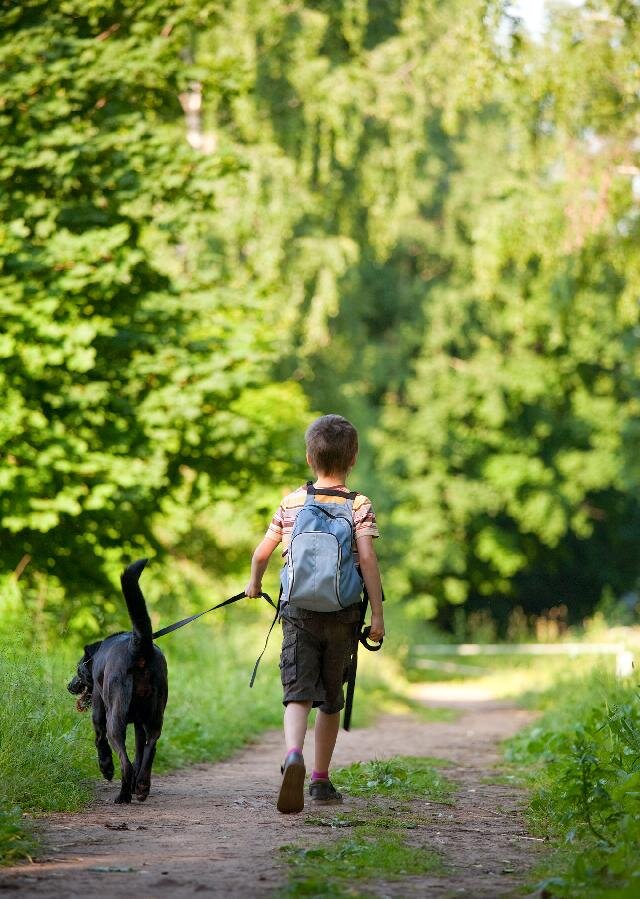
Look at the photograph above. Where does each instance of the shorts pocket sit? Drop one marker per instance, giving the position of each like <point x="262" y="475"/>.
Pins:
<point x="289" y="659"/>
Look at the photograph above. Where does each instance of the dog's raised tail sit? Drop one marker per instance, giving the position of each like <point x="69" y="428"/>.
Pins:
<point x="136" y="605"/>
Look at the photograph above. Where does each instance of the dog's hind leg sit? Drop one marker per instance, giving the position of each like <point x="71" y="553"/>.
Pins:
<point x="117" y="733"/>
<point x="143" y="780"/>
<point x="141" y="739"/>
<point x="99" y="718"/>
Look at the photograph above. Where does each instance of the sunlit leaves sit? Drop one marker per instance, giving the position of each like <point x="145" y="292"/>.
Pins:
<point x="513" y="449"/>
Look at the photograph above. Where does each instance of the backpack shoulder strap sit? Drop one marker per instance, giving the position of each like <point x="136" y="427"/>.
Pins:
<point x="327" y="491"/>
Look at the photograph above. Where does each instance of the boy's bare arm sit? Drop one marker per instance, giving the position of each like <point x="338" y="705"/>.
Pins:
<point x="371" y="575"/>
<point x="259" y="562"/>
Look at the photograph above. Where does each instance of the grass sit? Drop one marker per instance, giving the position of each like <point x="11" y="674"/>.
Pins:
<point x="373" y="814"/>
<point x="16" y="838"/>
<point x="581" y="762"/>
<point x="529" y="680"/>
<point x="376" y="845"/>
<point x="44" y="762"/>
<point x="404" y="779"/>
<point x="359" y="857"/>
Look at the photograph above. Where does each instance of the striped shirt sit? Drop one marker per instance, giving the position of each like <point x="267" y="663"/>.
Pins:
<point x="364" y="519"/>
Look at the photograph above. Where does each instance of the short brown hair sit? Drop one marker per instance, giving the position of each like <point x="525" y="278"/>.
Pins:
<point x="332" y="444"/>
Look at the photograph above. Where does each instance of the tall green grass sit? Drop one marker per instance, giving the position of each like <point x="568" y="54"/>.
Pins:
<point x="582" y="762"/>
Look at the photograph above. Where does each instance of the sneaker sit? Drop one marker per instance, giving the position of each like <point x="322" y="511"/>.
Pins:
<point x="323" y="792"/>
<point x="291" y="795"/>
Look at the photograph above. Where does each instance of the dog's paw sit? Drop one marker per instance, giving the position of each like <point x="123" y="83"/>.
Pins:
<point x="107" y="772"/>
<point x="123" y="799"/>
<point x="142" y="791"/>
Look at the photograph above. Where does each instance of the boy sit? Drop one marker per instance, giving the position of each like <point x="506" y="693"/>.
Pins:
<point x="317" y="645"/>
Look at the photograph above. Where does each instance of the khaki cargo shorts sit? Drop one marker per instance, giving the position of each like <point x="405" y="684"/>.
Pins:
<point x="316" y="652"/>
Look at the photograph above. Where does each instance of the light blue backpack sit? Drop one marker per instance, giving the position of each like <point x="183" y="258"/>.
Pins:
<point x="320" y="573"/>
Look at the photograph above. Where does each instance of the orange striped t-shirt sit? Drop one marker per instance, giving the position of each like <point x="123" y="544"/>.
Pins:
<point x="364" y="518"/>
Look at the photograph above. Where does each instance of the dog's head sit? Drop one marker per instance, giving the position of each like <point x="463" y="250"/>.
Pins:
<point x="82" y="684"/>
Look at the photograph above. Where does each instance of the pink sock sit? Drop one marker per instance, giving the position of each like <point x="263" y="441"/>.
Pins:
<point x="320" y="775"/>
<point x="294" y="749"/>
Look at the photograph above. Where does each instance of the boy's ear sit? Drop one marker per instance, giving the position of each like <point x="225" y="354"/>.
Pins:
<point x="309" y="462"/>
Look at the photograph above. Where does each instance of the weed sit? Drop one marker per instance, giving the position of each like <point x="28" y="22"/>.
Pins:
<point x="380" y="818"/>
<point x="364" y="854"/>
<point x="318" y="886"/>
<point x="403" y="778"/>
<point x="583" y="762"/>
<point x="16" y="841"/>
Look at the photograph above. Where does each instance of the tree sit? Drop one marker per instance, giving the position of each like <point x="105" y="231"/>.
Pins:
<point x="129" y="374"/>
<point x="342" y="113"/>
<point x="510" y="447"/>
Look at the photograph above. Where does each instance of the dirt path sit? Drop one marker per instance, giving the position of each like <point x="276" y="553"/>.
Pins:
<point x="213" y="829"/>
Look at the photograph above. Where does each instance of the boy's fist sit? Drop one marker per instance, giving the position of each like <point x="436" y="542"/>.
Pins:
<point x="377" y="628"/>
<point x="253" y="589"/>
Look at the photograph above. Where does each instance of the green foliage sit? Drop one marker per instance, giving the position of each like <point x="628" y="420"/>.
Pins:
<point x="45" y="756"/>
<point x="363" y="856"/>
<point x="15" y="840"/>
<point x="220" y="215"/>
<point x="131" y="376"/>
<point x="339" y="112"/>
<point x="583" y="761"/>
<point x="511" y="448"/>
<point x="404" y="778"/>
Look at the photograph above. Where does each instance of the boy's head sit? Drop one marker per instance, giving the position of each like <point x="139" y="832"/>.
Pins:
<point x="332" y="445"/>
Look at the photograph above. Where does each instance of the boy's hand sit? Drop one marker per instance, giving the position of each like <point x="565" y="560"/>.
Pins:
<point x="377" y="627"/>
<point x="259" y="562"/>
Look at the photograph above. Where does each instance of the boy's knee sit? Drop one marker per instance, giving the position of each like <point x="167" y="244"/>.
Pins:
<point x="333" y="704"/>
<point x="302" y="704"/>
<point x="329" y="714"/>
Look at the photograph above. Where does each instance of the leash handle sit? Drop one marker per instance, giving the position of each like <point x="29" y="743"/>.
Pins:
<point x="364" y="639"/>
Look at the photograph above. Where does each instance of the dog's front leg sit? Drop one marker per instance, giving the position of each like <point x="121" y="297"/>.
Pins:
<point x="117" y="733"/>
<point x="99" y="718"/>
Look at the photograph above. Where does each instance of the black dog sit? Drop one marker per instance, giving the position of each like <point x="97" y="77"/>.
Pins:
<point x="124" y="677"/>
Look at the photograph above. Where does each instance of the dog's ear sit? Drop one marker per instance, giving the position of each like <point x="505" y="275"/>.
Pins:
<point x="91" y="649"/>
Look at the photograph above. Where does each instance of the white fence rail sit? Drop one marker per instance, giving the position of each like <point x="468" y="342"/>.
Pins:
<point x="624" y="658"/>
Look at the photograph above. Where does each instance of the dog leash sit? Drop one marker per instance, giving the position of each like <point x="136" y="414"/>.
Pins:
<point x="363" y="634"/>
<point x="363" y="638"/>
<point x="227" y="602"/>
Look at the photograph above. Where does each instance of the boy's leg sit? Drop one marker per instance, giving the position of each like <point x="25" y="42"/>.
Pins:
<point x="291" y="795"/>
<point x="340" y="635"/>
<point x="321" y="789"/>
<point x="326" y="734"/>
<point x="296" y="715"/>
